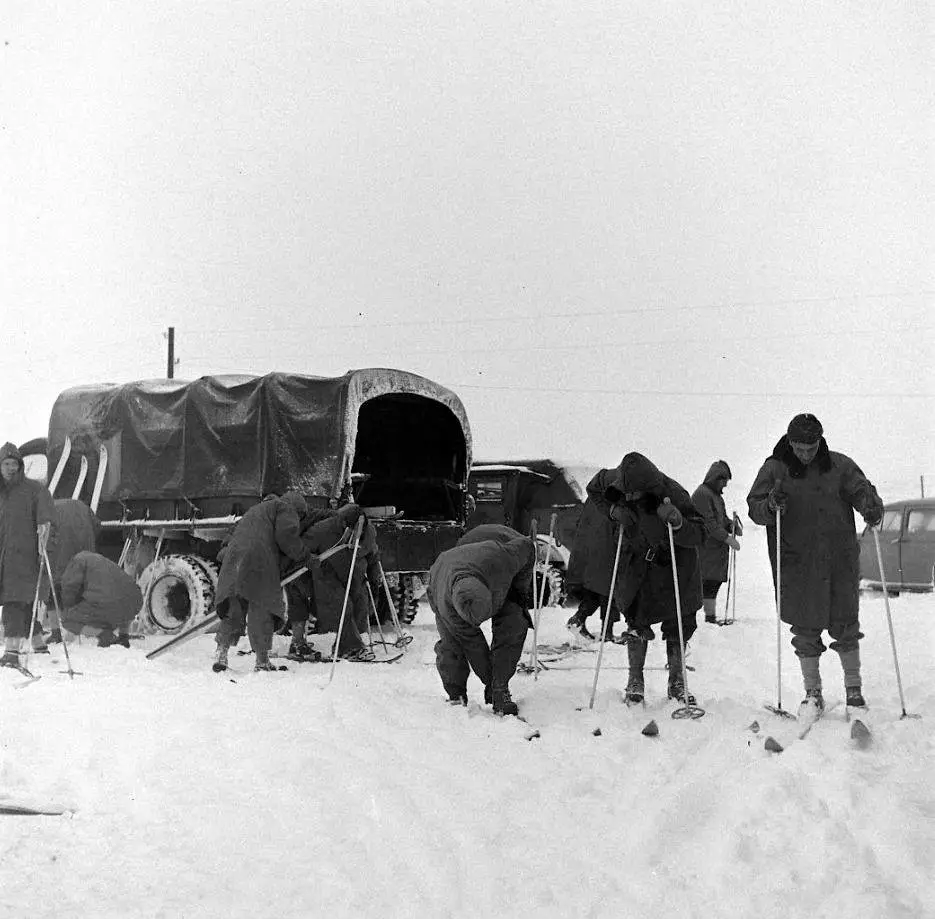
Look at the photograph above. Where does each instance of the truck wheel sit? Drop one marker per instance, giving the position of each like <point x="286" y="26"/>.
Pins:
<point x="404" y="596"/>
<point x="177" y="592"/>
<point x="555" y="591"/>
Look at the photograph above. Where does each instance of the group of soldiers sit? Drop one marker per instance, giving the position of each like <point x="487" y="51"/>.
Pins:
<point x="635" y="521"/>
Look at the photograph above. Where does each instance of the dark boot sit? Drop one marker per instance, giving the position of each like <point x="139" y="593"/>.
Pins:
<point x="220" y="658"/>
<point x="577" y="625"/>
<point x="503" y="703"/>
<point x="636" y="652"/>
<point x="10" y="659"/>
<point x="676" y="680"/>
<point x="106" y="638"/>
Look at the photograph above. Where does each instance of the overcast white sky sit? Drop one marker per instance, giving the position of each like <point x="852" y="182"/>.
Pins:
<point x="607" y="226"/>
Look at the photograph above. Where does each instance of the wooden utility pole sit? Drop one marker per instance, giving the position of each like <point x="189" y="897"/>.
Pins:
<point x="170" y="371"/>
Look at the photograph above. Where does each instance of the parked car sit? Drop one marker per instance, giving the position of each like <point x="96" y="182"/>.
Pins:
<point x="907" y="546"/>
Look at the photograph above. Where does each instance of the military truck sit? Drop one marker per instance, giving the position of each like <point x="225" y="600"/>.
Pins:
<point x="178" y="463"/>
<point x="520" y="492"/>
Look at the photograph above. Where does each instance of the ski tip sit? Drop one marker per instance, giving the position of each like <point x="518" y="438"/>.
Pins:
<point x="651" y="729"/>
<point x="860" y="734"/>
<point x="773" y="745"/>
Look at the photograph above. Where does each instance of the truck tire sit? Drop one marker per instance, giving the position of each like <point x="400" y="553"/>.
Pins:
<point x="177" y="593"/>
<point x="556" y="592"/>
<point x="404" y="597"/>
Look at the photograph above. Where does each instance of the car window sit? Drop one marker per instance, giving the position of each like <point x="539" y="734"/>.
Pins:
<point x="921" y="521"/>
<point x="489" y="491"/>
<point x="891" y="521"/>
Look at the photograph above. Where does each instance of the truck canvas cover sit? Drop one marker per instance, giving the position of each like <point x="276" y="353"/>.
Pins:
<point x="230" y="436"/>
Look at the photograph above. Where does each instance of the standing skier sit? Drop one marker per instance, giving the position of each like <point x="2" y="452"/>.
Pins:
<point x="248" y="595"/>
<point x="592" y="560"/>
<point x="643" y="501"/>
<point x="816" y="493"/>
<point x="25" y="521"/>
<point x="713" y="555"/>
<point x="469" y="584"/>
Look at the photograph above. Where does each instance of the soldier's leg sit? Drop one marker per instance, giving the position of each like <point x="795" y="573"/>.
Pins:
<point x="809" y="648"/>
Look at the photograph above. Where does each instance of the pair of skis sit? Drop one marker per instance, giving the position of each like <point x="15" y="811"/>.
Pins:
<point x="82" y="474"/>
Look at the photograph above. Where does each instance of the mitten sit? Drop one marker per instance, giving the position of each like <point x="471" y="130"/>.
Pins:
<point x="669" y="514"/>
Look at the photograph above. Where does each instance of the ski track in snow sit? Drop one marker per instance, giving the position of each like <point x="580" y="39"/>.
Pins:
<point x="199" y="795"/>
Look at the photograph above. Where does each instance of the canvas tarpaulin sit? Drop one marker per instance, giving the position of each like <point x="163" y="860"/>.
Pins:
<point x="230" y="435"/>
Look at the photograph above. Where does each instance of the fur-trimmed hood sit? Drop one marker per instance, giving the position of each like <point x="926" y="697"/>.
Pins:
<point x="784" y="453"/>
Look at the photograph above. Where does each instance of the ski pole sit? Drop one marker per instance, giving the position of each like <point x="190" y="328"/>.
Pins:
<point x="733" y="609"/>
<point x="778" y="709"/>
<point x="534" y="653"/>
<point x="58" y="612"/>
<point x="358" y="529"/>
<point x="610" y="600"/>
<point x="376" y="616"/>
<point x="688" y="710"/>
<point x="730" y="577"/>
<point x="889" y="622"/>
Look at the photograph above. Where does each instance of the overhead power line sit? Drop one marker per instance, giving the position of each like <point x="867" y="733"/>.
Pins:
<point x="695" y="392"/>
<point x="572" y="314"/>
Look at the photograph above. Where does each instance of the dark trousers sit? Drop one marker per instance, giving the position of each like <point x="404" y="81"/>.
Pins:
<point x="591" y="602"/>
<point x="846" y="634"/>
<point x="462" y="647"/>
<point x="240" y="616"/>
<point x="16" y="618"/>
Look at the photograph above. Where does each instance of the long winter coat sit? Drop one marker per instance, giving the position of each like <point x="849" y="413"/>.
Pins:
<point x="97" y="592"/>
<point x="496" y="565"/>
<point x="521" y="593"/>
<point x="644" y="591"/>
<point x="75" y="529"/>
<point x="714" y="554"/>
<point x="820" y="555"/>
<point x="251" y="562"/>
<point x="24" y="504"/>
<point x="592" y="556"/>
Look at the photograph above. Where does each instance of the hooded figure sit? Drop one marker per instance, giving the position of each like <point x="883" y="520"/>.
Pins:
<point x="642" y="501"/>
<point x="248" y="594"/>
<point x="25" y="521"/>
<point x="75" y="529"/>
<point x="815" y="492"/>
<point x="714" y="554"/>
<point x="467" y="585"/>
<point x="99" y="598"/>
<point x="327" y="582"/>
<point x="592" y="560"/>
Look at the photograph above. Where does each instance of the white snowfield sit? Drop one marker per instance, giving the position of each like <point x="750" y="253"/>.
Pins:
<point x="192" y="794"/>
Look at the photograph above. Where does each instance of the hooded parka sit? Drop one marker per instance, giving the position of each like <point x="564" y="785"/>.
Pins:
<point x="467" y="585"/>
<point x="99" y="593"/>
<point x="250" y="568"/>
<point x="75" y="529"/>
<point x="592" y="555"/>
<point x="644" y="590"/>
<point x="713" y="555"/>
<point x="24" y="505"/>
<point x="820" y="554"/>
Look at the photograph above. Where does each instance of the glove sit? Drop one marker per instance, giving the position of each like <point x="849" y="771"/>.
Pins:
<point x="669" y="514"/>
<point x="617" y="513"/>
<point x="777" y="499"/>
<point x="733" y="543"/>
<point x="874" y="515"/>
<point x="42" y="532"/>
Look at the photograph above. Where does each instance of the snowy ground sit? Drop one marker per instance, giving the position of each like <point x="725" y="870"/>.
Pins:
<point x="278" y="795"/>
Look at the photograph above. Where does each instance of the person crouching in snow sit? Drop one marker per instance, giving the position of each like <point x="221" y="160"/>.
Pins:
<point x="816" y="493"/>
<point x="25" y="522"/>
<point x="99" y="598"/>
<point x="714" y="554"/>
<point x="467" y="585"/>
<point x="642" y="500"/>
<point x="249" y="596"/>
